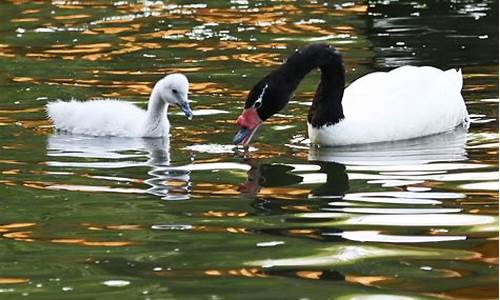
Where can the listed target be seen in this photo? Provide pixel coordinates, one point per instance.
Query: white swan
(119, 118)
(405, 103)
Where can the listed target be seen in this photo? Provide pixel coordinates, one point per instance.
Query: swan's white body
(405, 103)
(120, 118)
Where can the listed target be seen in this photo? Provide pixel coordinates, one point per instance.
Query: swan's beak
(249, 121)
(184, 106)
(244, 136)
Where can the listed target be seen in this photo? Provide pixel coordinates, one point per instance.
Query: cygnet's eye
(174, 91)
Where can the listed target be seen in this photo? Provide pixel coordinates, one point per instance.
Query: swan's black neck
(326, 108)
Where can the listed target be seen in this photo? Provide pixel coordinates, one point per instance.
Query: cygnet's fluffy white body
(405, 103)
(120, 118)
(104, 118)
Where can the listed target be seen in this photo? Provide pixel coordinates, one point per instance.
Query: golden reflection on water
(11, 162)
(84, 242)
(24, 236)
(161, 34)
(8, 227)
(264, 15)
(241, 45)
(6, 121)
(30, 11)
(130, 87)
(161, 71)
(305, 233)
(37, 125)
(77, 49)
(244, 272)
(113, 31)
(301, 208)
(198, 190)
(6, 51)
(125, 227)
(258, 59)
(85, 188)
(224, 214)
(24, 20)
(486, 291)
(13, 280)
(11, 172)
(203, 189)
(72, 17)
(479, 87)
(7, 182)
(21, 110)
(285, 193)
(274, 19)
(120, 227)
(72, 5)
(127, 34)
(316, 275)
(368, 280)
(205, 88)
(23, 79)
(213, 229)
(10, 231)
(489, 251)
(205, 228)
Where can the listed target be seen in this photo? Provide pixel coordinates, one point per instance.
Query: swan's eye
(174, 91)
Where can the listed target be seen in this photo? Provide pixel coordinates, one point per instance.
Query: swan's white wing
(404, 103)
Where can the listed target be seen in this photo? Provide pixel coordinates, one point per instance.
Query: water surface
(191, 218)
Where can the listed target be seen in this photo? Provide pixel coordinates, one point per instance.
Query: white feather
(405, 103)
(120, 118)
(98, 117)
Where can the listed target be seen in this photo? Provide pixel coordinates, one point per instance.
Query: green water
(191, 218)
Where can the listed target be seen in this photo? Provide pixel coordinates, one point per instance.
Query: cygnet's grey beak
(184, 106)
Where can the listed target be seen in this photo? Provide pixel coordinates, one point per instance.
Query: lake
(191, 217)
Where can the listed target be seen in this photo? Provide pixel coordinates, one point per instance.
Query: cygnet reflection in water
(119, 153)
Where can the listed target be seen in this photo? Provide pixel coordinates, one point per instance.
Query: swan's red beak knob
(249, 121)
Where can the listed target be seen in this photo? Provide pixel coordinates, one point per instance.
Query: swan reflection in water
(326, 188)
(445, 147)
(328, 166)
(117, 153)
(334, 183)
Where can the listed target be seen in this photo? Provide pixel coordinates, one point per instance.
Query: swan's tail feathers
(59, 113)
(466, 120)
(54, 109)
(455, 79)
(51, 108)
(466, 123)
(460, 78)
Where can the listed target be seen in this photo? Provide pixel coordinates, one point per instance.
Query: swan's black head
(267, 97)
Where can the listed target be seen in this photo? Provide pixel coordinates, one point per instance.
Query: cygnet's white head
(174, 89)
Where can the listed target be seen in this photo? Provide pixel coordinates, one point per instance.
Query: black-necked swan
(111, 117)
(405, 103)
